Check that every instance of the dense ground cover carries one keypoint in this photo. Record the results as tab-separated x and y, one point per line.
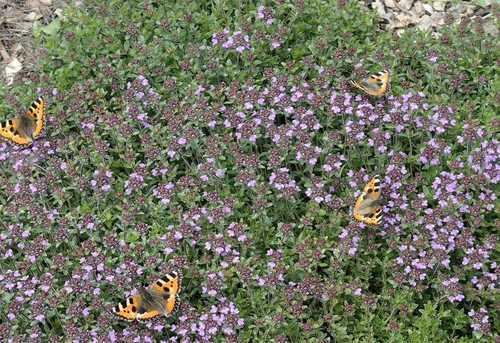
222	140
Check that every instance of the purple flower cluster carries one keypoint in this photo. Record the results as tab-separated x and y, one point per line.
484	160
477	256
489	280
87	223
209	170
434	150
218	245
237	230
140	96
101	181
277	39
480	321
265	14
213	284
414	261
438	122
453	289
222	317
349	239
447	189
317	191
472	132
164	192
275	270
333	163
308	154
136	179
281	181
380	140
432	56
237	41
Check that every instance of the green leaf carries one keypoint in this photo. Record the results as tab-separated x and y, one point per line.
51	29
132	236
427	326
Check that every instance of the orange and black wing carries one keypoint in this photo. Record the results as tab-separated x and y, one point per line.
130	309
375	85
367	209
12	131
160	298
37	112
168	289
372	188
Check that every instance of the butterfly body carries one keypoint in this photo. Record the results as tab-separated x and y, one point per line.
367	208
375	85
22	130
160	298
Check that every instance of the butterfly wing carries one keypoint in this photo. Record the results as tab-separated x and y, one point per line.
37	112
130	309
367	209
17	130
138	307
372	188
21	130
152	303
174	286
161	298
165	293
376	85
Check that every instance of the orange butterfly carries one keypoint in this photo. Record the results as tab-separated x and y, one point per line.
376	85
367	208
22	130
160	298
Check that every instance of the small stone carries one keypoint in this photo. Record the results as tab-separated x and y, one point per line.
379	7
467	9
418	9
33	4
403	20
17	49
406	4
437	19
491	28
11	69
26	26
439	5
390	3
455	13
425	22
415	19
428	8
428	15
32	16
46	2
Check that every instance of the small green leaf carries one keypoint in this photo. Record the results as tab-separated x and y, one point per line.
50	29
132	236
